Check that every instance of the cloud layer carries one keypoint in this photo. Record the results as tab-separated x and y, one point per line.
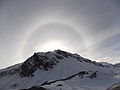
95	23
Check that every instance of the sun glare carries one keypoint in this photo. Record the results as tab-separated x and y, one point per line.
50	46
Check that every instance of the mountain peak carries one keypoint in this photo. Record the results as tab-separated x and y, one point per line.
47	60
44	61
54	65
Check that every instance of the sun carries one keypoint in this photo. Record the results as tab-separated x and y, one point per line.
50	46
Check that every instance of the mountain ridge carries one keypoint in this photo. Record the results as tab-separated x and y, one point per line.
57	66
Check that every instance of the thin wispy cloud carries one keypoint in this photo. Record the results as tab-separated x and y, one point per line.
88	27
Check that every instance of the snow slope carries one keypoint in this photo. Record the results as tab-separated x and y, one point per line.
56	65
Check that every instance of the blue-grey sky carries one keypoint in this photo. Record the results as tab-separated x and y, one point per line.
90	28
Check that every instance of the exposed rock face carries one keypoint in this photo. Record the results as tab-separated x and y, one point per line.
10	70
35	88
117	65
93	75
43	61
88	74
114	87
39	61
64	79
46	61
58	66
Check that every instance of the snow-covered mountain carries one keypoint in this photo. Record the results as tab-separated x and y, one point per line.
58	70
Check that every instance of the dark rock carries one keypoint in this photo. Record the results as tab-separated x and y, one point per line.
35	88
114	87
63	53
59	85
93	75
41	61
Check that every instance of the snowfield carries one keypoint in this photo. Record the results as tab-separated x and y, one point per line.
59	70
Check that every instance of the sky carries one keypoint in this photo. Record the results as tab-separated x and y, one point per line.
90	28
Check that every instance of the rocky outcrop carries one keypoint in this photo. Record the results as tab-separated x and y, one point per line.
93	75
35	88
44	61
114	87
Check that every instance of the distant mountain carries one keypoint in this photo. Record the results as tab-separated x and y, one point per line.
58	70
106	64
117	65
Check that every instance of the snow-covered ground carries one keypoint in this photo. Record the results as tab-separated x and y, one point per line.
61	65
